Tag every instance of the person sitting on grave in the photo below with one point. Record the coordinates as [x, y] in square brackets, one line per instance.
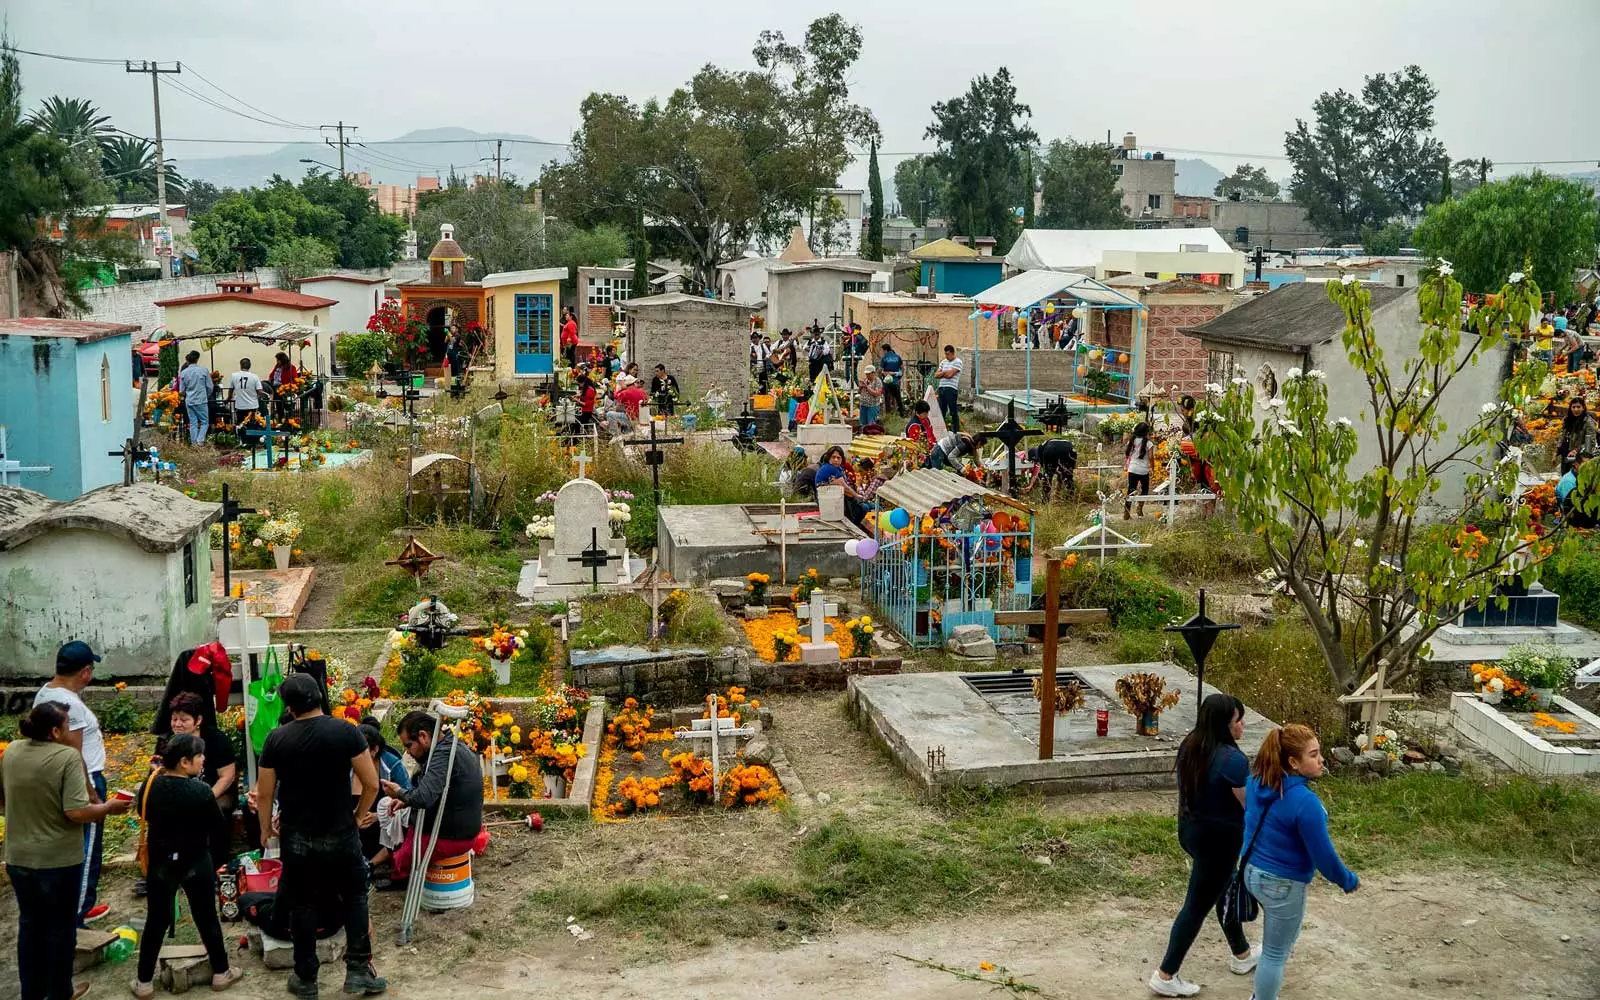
[831, 471]
[796, 475]
[1057, 460]
[951, 452]
[181, 814]
[664, 391]
[461, 809]
[626, 400]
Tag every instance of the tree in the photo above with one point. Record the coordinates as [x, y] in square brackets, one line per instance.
[1247, 183]
[329, 209]
[602, 246]
[128, 165]
[301, 257]
[1466, 175]
[921, 188]
[1366, 556]
[1382, 242]
[1490, 232]
[364, 236]
[73, 120]
[872, 243]
[981, 136]
[732, 155]
[830, 229]
[1080, 187]
[1367, 159]
[199, 196]
[1030, 182]
[641, 255]
[238, 232]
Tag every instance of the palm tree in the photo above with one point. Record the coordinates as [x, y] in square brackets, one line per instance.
[73, 120]
[129, 166]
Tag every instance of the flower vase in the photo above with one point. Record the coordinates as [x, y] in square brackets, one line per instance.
[502, 669]
[1148, 724]
[280, 555]
[1546, 696]
[555, 786]
[1489, 697]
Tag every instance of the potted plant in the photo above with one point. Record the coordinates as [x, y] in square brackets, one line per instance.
[1145, 696]
[280, 533]
[502, 645]
[756, 586]
[1542, 667]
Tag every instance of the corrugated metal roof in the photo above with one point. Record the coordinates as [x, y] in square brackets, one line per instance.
[921, 490]
[1031, 287]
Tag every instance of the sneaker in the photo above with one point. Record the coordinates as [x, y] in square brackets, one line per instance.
[223, 980]
[96, 912]
[1245, 966]
[142, 990]
[365, 981]
[300, 988]
[1174, 987]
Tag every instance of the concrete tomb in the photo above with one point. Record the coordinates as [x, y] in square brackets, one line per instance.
[705, 542]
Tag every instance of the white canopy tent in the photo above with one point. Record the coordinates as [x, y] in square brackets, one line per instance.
[1082, 249]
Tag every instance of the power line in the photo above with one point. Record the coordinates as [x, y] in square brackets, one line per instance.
[252, 107]
[373, 142]
[222, 107]
[73, 59]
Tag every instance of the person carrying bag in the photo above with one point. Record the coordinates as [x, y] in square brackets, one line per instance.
[263, 704]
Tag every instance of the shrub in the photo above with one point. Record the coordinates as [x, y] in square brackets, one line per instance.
[1279, 671]
[120, 715]
[418, 675]
[1134, 597]
[1204, 548]
[1575, 574]
[358, 352]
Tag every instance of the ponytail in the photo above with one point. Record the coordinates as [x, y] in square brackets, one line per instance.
[1272, 760]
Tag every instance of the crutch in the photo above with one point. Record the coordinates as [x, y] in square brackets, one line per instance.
[420, 860]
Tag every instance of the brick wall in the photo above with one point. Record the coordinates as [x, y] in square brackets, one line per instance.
[594, 323]
[700, 344]
[684, 680]
[1173, 358]
[1008, 369]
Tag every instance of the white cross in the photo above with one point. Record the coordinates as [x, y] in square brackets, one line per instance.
[11, 467]
[713, 729]
[582, 460]
[818, 608]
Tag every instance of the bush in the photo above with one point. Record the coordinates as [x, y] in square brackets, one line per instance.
[1279, 671]
[1575, 574]
[1134, 597]
[120, 716]
[1205, 548]
[358, 352]
[418, 675]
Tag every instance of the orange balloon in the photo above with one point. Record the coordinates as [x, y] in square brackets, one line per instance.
[1083, 370]
[1122, 359]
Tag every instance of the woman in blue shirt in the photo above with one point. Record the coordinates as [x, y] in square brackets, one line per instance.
[1292, 847]
[831, 468]
[1212, 771]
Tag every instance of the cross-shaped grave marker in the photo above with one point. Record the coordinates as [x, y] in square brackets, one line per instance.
[1375, 699]
[230, 513]
[414, 559]
[131, 454]
[1107, 538]
[1010, 433]
[655, 457]
[714, 729]
[1167, 489]
[818, 608]
[582, 460]
[11, 467]
[595, 557]
[245, 637]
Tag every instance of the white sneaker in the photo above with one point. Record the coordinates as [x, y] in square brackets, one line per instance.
[1244, 966]
[1174, 987]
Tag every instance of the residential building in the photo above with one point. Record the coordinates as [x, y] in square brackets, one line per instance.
[66, 400]
[127, 569]
[901, 234]
[396, 199]
[1199, 254]
[949, 266]
[704, 342]
[1146, 181]
[1272, 224]
[241, 301]
[846, 237]
[799, 295]
[523, 307]
[1190, 210]
[1168, 357]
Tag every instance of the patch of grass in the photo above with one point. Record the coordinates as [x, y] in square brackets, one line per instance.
[1279, 671]
[1204, 548]
[621, 619]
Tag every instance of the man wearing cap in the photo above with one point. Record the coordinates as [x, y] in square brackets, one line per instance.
[74, 670]
[306, 766]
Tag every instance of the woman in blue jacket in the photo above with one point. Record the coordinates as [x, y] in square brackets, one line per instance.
[1292, 847]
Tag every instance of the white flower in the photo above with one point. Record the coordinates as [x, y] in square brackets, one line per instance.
[1344, 422]
[1318, 374]
[1488, 408]
[1444, 267]
[1295, 373]
[1276, 402]
[1361, 741]
[1289, 428]
[1497, 685]
[1516, 278]
[1361, 543]
[1240, 380]
[1348, 279]
[1206, 415]
[1212, 387]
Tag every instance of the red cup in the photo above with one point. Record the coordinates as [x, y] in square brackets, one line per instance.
[123, 794]
[1102, 721]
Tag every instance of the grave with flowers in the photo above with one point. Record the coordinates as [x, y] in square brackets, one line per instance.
[1517, 712]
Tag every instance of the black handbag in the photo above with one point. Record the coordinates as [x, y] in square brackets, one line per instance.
[1237, 901]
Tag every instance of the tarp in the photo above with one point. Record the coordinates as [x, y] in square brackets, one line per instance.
[1066, 249]
[1030, 287]
[921, 490]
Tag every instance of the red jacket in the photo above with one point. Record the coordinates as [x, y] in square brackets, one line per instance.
[630, 398]
[569, 333]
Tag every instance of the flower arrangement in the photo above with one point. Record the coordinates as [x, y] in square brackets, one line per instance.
[462, 669]
[1541, 666]
[631, 726]
[477, 729]
[541, 526]
[1069, 696]
[1145, 696]
[750, 784]
[1494, 685]
[809, 583]
[1541, 500]
[756, 586]
[619, 513]
[281, 530]
[521, 782]
[639, 794]
[556, 756]
[694, 774]
[785, 642]
[860, 630]
[562, 710]
[501, 643]
[354, 704]
[1387, 741]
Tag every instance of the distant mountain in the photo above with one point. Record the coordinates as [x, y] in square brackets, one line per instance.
[1197, 177]
[425, 153]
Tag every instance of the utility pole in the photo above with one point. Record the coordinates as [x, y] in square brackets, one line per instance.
[497, 143]
[342, 143]
[155, 71]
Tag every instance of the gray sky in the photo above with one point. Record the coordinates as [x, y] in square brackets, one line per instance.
[1212, 80]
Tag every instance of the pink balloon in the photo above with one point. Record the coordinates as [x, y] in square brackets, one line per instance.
[866, 548]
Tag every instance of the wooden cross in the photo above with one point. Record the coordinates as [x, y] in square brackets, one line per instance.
[1010, 433]
[11, 467]
[1375, 700]
[230, 513]
[595, 557]
[131, 454]
[655, 457]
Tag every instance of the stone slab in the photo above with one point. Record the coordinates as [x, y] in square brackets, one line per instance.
[698, 543]
[819, 652]
[818, 438]
[279, 594]
[993, 740]
[1459, 644]
[617, 655]
[534, 587]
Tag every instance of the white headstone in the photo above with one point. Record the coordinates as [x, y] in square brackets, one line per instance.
[816, 611]
[582, 517]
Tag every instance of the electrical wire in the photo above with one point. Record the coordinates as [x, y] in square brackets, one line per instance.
[233, 111]
[72, 59]
[204, 79]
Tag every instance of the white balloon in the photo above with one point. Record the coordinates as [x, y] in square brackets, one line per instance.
[850, 546]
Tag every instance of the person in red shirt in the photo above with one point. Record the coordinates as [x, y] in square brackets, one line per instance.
[587, 397]
[631, 396]
[569, 337]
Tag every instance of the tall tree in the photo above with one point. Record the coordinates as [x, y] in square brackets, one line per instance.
[128, 165]
[301, 257]
[1367, 159]
[1247, 183]
[200, 195]
[1492, 231]
[1080, 187]
[981, 136]
[1465, 175]
[733, 155]
[641, 254]
[830, 229]
[1030, 181]
[493, 224]
[872, 248]
[921, 188]
[73, 120]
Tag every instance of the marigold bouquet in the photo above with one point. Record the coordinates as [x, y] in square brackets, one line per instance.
[809, 583]
[860, 630]
[750, 784]
[784, 642]
[694, 773]
[281, 530]
[756, 585]
[501, 643]
[631, 726]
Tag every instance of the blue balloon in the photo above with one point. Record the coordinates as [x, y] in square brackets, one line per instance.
[899, 518]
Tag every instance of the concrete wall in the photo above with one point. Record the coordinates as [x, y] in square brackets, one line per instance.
[125, 602]
[1008, 369]
[135, 302]
[951, 319]
[1168, 265]
[796, 298]
[1271, 224]
[702, 343]
[52, 408]
[1141, 178]
[357, 302]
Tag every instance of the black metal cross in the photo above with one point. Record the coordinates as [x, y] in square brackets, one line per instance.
[130, 453]
[744, 437]
[230, 513]
[655, 457]
[595, 557]
[1056, 415]
[1199, 634]
[1010, 433]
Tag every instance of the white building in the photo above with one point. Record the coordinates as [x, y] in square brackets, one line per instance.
[357, 297]
[1163, 254]
[813, 291]
[846, 236]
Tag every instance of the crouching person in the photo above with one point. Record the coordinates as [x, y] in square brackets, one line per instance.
[461, 823]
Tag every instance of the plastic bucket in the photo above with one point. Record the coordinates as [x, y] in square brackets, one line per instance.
[448, 883]
[268, 871]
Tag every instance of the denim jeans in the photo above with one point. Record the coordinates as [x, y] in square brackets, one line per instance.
[869, 414]
[199, 421]
[949, 406]
[93, 848]
[1283, 906]
[47, 929]
[1215, 852]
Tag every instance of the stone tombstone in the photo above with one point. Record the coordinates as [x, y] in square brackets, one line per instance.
[581, 517]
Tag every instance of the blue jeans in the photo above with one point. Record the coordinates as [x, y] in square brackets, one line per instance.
[199, 421]
[949, 407]
[869, 414]
[1283, 906]
[47, 932]
[93, 847]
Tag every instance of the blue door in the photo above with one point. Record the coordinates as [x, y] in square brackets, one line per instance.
[535, 335]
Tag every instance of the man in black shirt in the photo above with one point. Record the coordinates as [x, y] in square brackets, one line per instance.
[306, 766]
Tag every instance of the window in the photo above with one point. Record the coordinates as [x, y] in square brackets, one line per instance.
[857, 286]
[605, 291]
[105, 389]
[1219, 367]
[1117, 168]
[1152, 201]
[533, 331]
[191, 589]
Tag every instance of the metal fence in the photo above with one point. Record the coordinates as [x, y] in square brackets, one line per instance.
[926, 584]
